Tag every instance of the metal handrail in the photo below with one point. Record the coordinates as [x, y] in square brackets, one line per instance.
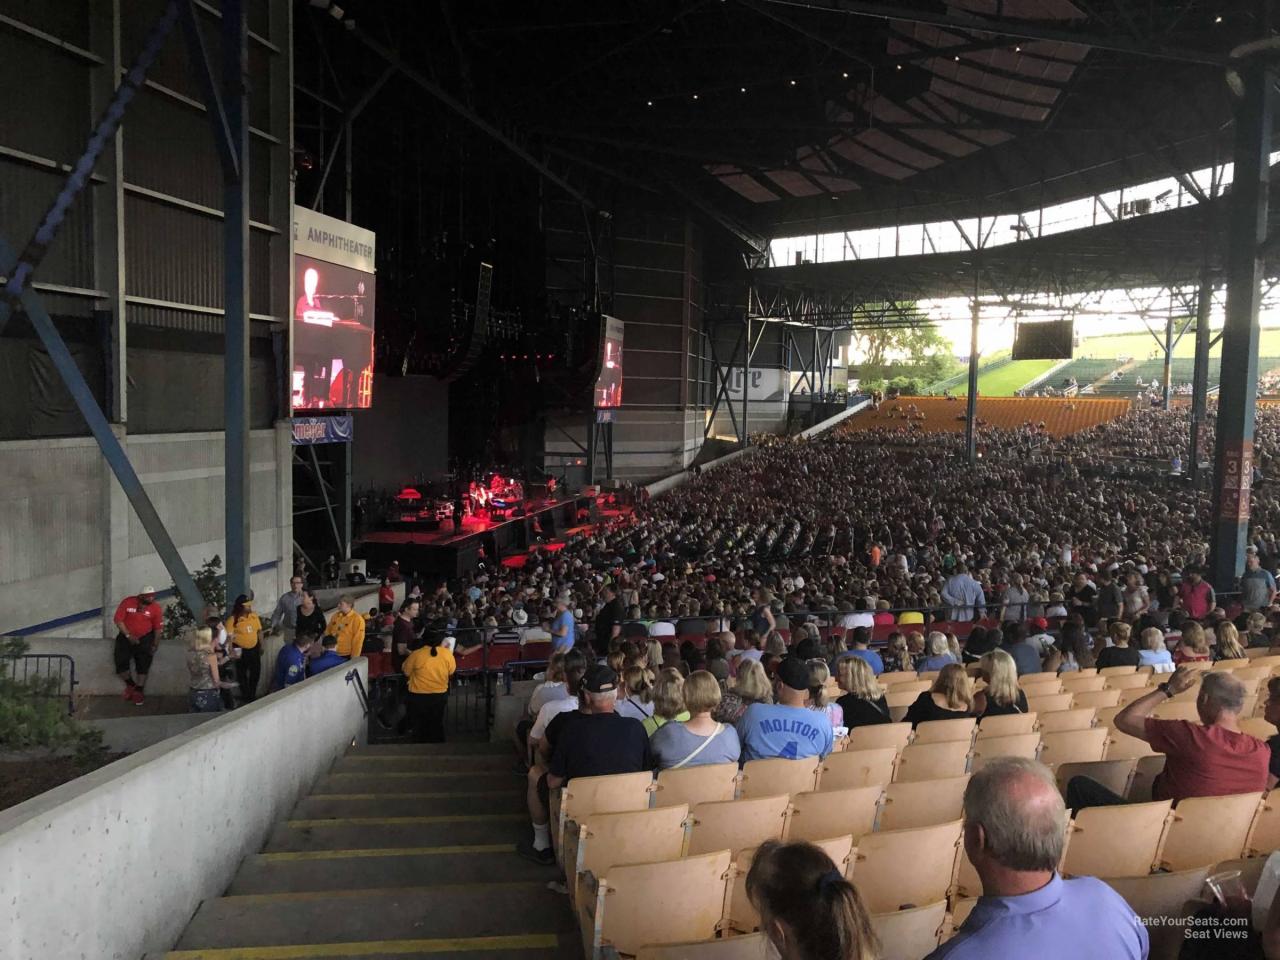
[36, 660]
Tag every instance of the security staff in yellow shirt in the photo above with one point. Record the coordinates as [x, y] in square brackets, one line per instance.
[348, 627]
[428, 669]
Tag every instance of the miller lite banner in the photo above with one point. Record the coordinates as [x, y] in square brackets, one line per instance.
[308, 430]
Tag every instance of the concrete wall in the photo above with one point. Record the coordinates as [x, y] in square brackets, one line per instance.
[71, 545]
[114, 864]
[646, 443]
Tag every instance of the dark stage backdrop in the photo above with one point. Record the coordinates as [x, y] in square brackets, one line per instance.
[405, 437]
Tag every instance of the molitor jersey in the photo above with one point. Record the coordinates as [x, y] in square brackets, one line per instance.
[774, 730]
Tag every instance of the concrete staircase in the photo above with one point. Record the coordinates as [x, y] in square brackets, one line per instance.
[400, 851]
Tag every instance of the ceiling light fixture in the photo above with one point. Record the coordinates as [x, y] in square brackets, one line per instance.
[793, 83]
[1218, 18]
[899, 66]
[742, 89]
[845, 74]
[695, 96]
[648, 103]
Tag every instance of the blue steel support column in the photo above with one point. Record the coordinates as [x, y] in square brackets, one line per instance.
[235, 80]
[1200, 375]
[1247, 228]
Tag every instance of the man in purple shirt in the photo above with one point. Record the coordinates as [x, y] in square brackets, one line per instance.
[1014, 824]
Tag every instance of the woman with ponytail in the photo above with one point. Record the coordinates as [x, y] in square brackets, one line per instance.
[808, 910]
[429, 669]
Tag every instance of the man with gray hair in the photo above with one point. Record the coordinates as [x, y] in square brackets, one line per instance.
[1212, 758]
[1014, 830]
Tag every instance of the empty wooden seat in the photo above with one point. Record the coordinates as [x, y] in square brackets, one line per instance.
[1116, 671]
[1177, 710]
[1073, 684]
[913, 685]
[1120, 841]
[893, 868]
[960, 910]
[1258, 727]
[1077, 718]
[705, 783]
[932, 761]
[1148, 768]
[899, 703]
[768, 778]
[1007, 725]
[1018, 745]
[922, 803]
[1049, 703]
[1208, 829]
[1073, 746]
[1121, 746]
[940, 731]
[910, 934]
[968, 883]
[689, 895]
[751, 946]
[737, 824]
[1097, 698]
[1127, 697]
[605, 839]
[1161, 900]
[893, 677]
[1041, 684]
[834, 813]
[616, 793]
[857, 768]
[1231, 665]
[1126, 681]
[1252, 678]
[896, 735]
[1264, 832]
[743, 916]
[1115, 775]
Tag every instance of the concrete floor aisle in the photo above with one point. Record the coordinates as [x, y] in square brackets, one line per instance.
[401, 851]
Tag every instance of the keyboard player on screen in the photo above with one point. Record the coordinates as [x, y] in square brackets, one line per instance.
[309, 308]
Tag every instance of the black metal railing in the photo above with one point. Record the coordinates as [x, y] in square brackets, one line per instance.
[43, 676]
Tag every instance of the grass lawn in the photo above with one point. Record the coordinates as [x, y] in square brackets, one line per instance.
[1008, 379]
[1141, 344]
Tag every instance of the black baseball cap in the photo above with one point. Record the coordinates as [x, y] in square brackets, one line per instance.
[794, 672]
[600, 678]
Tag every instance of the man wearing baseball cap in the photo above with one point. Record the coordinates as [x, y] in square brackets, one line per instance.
[593, 742]
[138, 621]
[787, 727]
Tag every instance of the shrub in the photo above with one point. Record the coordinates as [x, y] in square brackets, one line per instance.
[32, 711]
[212, 586]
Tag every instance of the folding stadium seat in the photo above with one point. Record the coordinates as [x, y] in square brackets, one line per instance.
[1116, 671]
[737, 824]
[689, 895]
[1006, 725]
[1253, 678]
[1074, 684]
[894, 677]
[1230, 664]
[834, 813]
[1148, 768]
[1263, 657]
[1041, 684]
[617, 793]
[706, 783]
[605, 839]
[922, 803]
[910, 934]
[1115, 775]
[1077, 718]
[898, 704]
[1119, 841]
[877, 735]
[929, 676]
[1123, 681]
[910, 686]
[1072, 746]
[1198, 665]
[961, 907]
[894, 868]
[857, 768]
[1159, 899]
[1085, 672]
[1049, 703]
[1017, 745]
[941, 731]
[768, 778]
[752, 946]
[1128, 696]
[1264, 832]
[743, 916]
[1177, 710]
[932, 761]
[968, 883]
[1208, 829]
[1258, 727]
[1097, 698]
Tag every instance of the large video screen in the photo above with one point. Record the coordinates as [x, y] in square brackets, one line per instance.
[1043, 340]
[608, 391]
[333, 315]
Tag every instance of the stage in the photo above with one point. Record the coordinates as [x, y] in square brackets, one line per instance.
[449, 552]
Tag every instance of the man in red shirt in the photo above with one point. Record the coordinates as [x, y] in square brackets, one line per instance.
[138, 620]
[1195, 597]
[1211, 759]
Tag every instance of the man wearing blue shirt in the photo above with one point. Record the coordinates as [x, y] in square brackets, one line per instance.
[787, 728]
[1014, 824]
[328, 658]
[291, 662]
[860, 647]
[563, 627]
[1257, 586]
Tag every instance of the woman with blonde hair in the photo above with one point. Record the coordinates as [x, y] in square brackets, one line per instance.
[950, 698]
[1254, 635]
[203, 683]
[1119, 654]
[752, 686]
[774, 645]
[653, 649]
[819, 700]
[1154, 652]
[1002, 694]
[668, 701]
[808, 910]
[1193, 646]
[864, 702]
[896, 656]
[635, 697]
[1228, 647]
[700, 739]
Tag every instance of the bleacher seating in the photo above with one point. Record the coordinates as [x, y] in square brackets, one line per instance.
[1085, 370]
[1060, 416]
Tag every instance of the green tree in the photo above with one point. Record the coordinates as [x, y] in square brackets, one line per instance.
[921, 350]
